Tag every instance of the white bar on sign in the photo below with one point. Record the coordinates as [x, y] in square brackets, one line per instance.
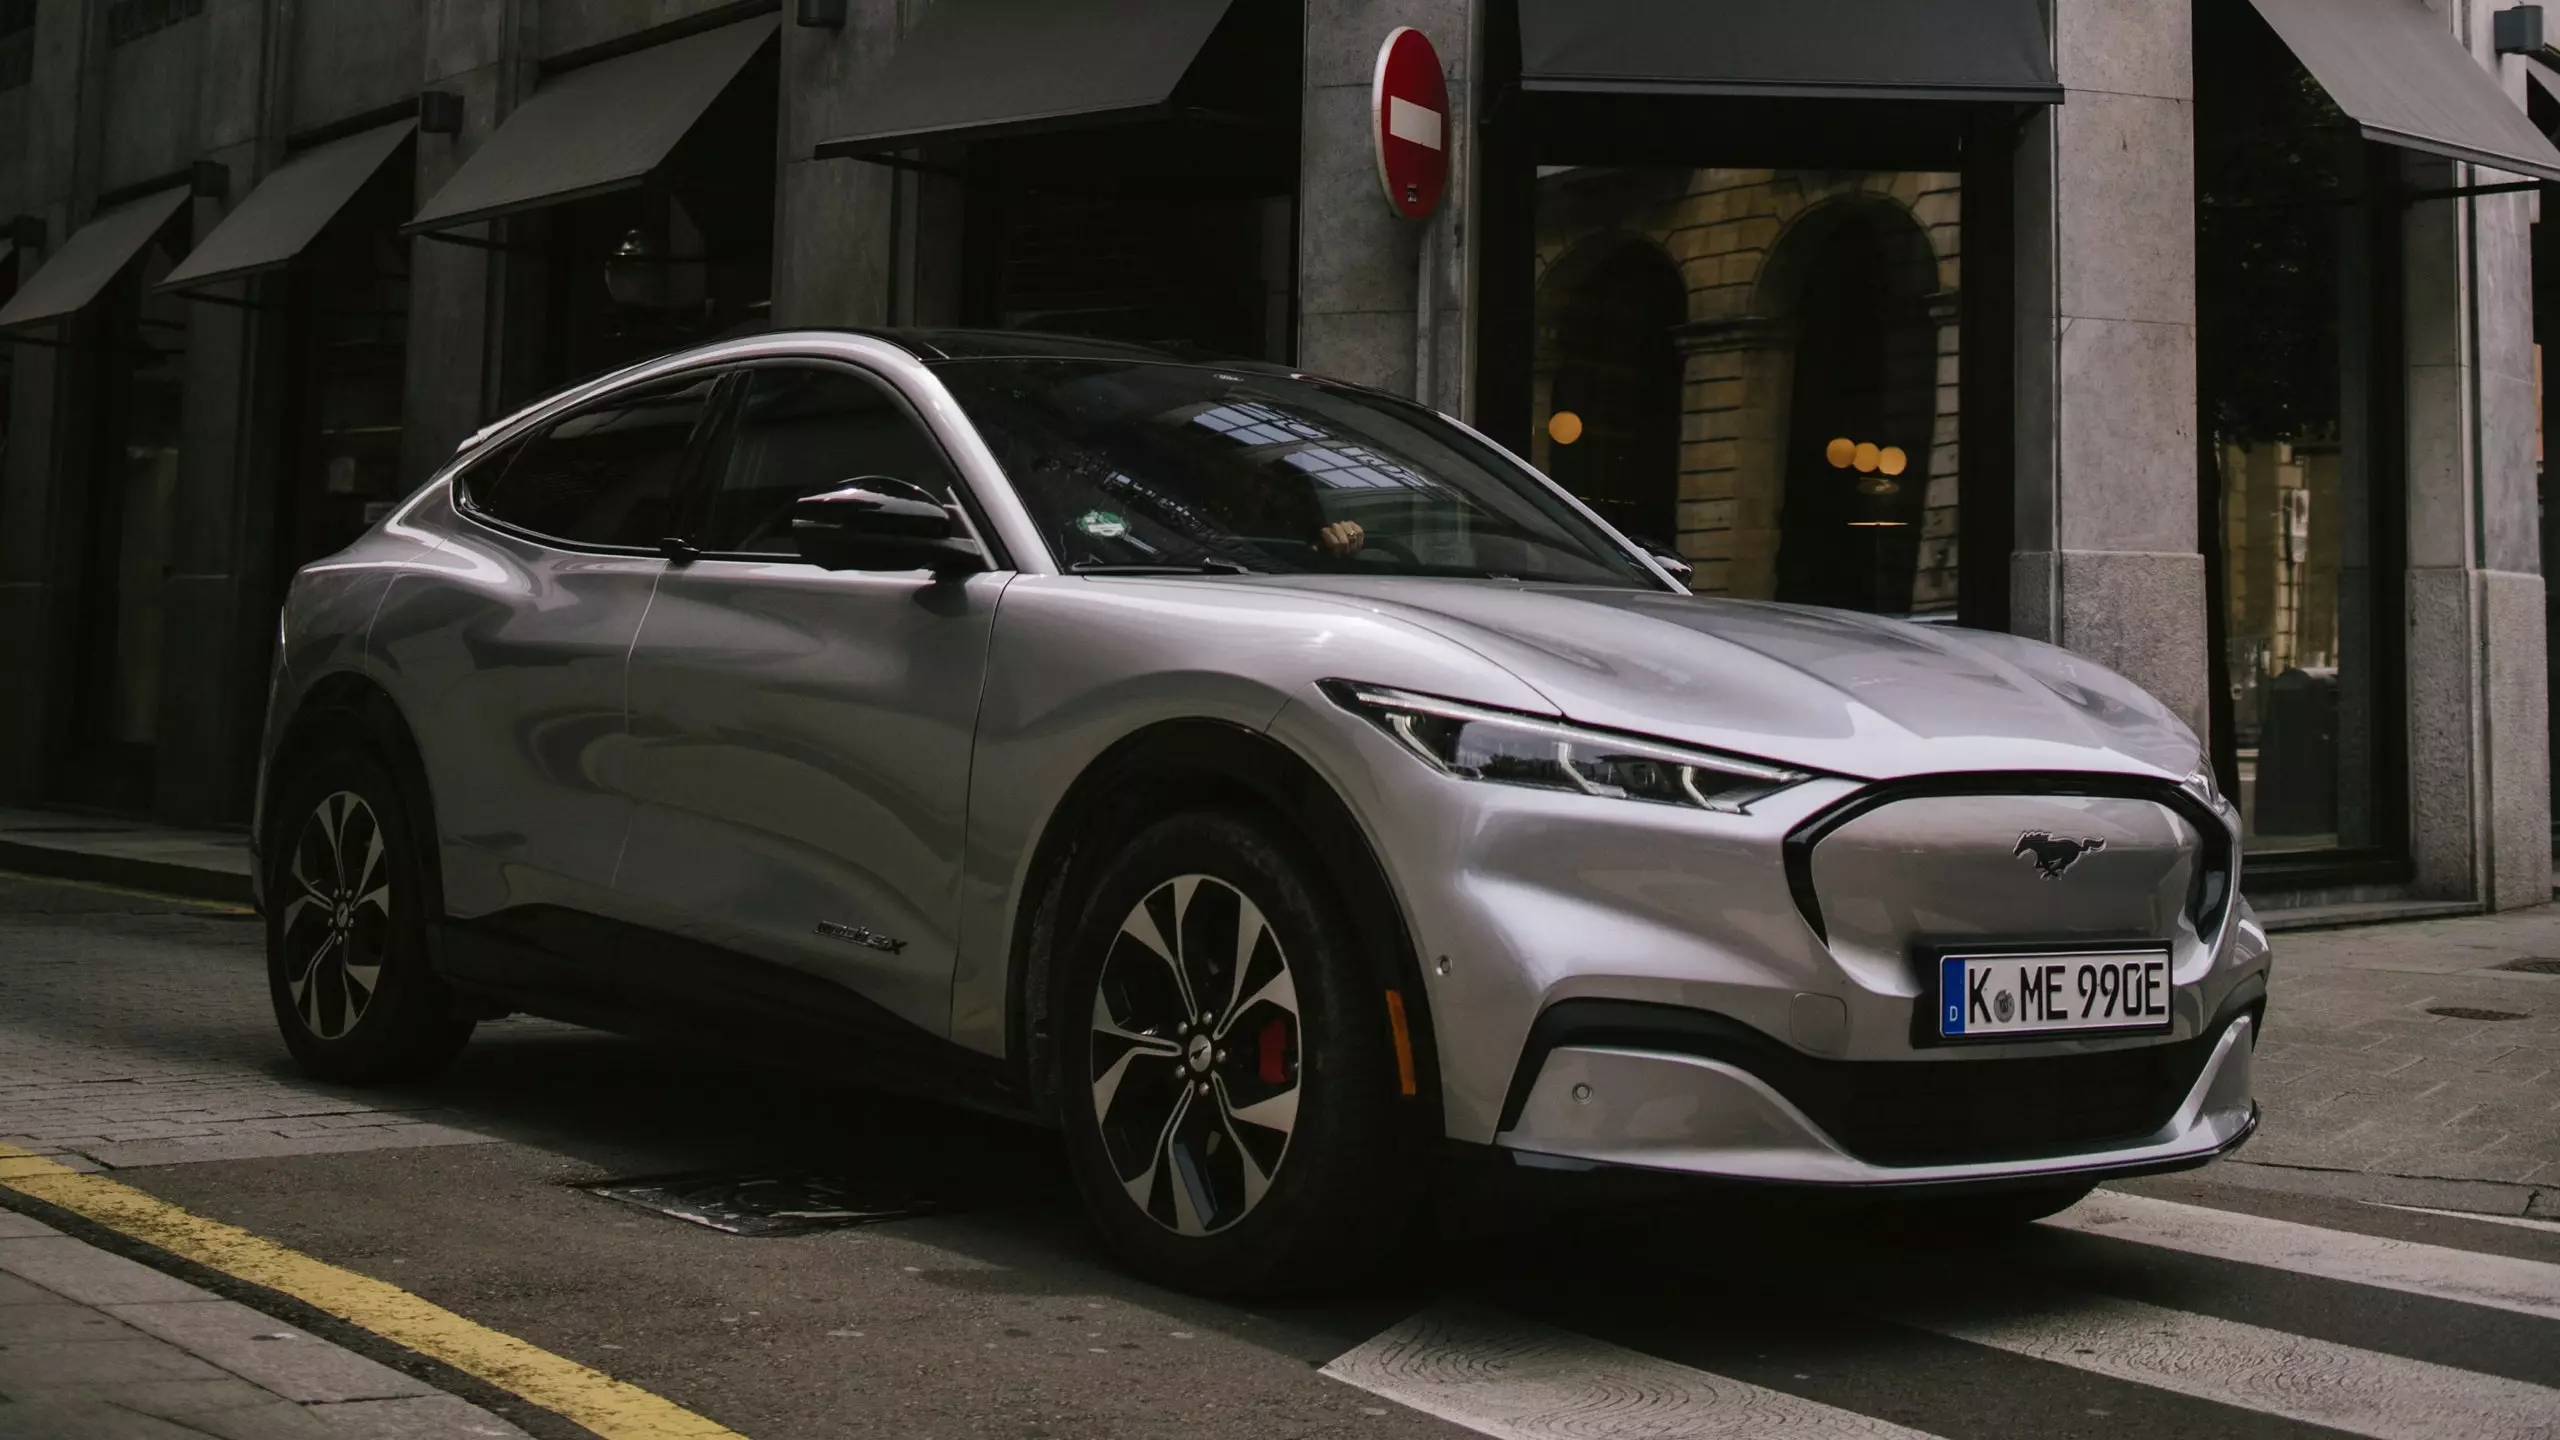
[1408, 121]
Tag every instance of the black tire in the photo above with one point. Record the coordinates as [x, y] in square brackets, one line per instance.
[1337, 1189]
[347, 958]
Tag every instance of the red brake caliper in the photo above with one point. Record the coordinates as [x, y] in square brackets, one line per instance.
[1272, 1065]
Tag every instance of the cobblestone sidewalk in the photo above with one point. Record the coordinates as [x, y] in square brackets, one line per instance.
[2407, 1053]
[136, 1031]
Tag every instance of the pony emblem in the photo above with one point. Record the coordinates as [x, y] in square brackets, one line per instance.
[2054, 854]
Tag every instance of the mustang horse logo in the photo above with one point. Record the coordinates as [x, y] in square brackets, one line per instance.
[2054, 854]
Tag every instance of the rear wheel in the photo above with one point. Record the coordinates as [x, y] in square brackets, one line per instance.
[1230, 1082]
[346, 933]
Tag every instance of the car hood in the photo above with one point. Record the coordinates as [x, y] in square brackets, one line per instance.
[1852, 694]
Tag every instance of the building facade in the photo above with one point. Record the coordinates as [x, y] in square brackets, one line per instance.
[2197, 336]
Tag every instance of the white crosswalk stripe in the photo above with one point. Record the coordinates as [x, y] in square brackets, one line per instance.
[1512, 1378]
[2362, 1392]
[2527, 1287]
[2521, 1222]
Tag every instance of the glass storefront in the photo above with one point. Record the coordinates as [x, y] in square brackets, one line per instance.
[1759, 366]
[2297, 304]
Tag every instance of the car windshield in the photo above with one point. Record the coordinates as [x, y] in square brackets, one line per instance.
[1148, 465]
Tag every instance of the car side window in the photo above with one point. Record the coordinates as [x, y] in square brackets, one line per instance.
[805, 430]
[606, 474]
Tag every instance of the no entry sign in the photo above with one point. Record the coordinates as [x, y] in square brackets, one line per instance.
[1409, 106]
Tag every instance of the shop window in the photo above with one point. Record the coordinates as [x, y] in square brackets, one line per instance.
[348, 356]
[1759, 366]
[683, 259]
[135, 362]
[2298, 390]
[1079, 232]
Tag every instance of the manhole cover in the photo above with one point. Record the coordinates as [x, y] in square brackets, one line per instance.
[2465, 1012]
[2532, 965]
[769, 1204]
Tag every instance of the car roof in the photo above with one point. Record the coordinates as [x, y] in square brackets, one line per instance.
[930, 345]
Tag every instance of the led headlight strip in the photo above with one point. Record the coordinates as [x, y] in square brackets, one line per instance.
[1474, 743]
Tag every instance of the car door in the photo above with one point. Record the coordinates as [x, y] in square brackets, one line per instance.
[511, 646]
[802, 736]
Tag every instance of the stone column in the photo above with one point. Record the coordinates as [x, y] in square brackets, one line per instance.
[2107, 562]
[1357, 259]
[832, 232]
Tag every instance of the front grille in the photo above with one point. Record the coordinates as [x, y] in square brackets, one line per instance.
[1944, 1112]
[1975, 1110]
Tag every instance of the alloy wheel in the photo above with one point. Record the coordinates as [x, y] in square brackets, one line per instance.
[336, 926]
[1195, 1058]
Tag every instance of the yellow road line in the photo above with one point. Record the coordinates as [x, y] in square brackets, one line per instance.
[224, 907]
[611, 1408]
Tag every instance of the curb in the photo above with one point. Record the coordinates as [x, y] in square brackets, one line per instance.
[192, 882]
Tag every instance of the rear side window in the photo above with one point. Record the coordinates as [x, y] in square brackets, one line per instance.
[805, 430]
[603, 475]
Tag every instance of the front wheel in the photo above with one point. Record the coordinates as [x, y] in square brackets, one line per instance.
[1230, 1084]
[346, 931]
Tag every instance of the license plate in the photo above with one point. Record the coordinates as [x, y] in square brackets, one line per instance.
[1985, 996]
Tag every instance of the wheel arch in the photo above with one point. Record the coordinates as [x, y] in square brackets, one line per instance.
[343, 708]
[1193, 763]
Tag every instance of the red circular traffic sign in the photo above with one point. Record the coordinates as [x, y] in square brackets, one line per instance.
[1409, 110]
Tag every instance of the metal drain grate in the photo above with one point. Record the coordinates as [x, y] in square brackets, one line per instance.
[769, 1204]
[2465, 1012]
[2532, 965]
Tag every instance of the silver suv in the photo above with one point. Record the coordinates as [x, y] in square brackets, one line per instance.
[1268, 782]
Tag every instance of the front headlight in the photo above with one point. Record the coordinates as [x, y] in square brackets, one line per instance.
[2202, 785]
[1474, 743]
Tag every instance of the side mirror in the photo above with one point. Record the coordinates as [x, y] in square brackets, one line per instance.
[878, 523]
[1666, 557]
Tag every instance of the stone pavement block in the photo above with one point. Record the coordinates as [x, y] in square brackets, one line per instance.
[40, 1366]
[428, 1417]
[267, 1352]
[180, 1400]
[89, 1275]
[267, 1420]
[87, 1420]
[57, 1320]
[14, 1226]
[262, 1145]
[14, 1291]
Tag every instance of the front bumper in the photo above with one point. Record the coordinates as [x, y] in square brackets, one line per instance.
[1726, 1111]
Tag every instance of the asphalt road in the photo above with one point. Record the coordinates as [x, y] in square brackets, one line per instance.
[134, 1032]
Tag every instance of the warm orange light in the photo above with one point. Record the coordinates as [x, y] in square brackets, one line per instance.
[1892, 461]
[1564, 427]
[1840, 452]
[1866, 457]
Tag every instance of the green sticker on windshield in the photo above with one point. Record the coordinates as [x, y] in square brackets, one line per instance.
[1102, 525]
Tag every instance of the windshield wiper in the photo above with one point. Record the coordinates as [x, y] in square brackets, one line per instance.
[1206, 565]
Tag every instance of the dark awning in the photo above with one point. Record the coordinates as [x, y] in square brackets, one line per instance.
[977, 67]
[91, 259]
[2401, 76]
[289, 209]
[596, 129]
[1867, 49]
